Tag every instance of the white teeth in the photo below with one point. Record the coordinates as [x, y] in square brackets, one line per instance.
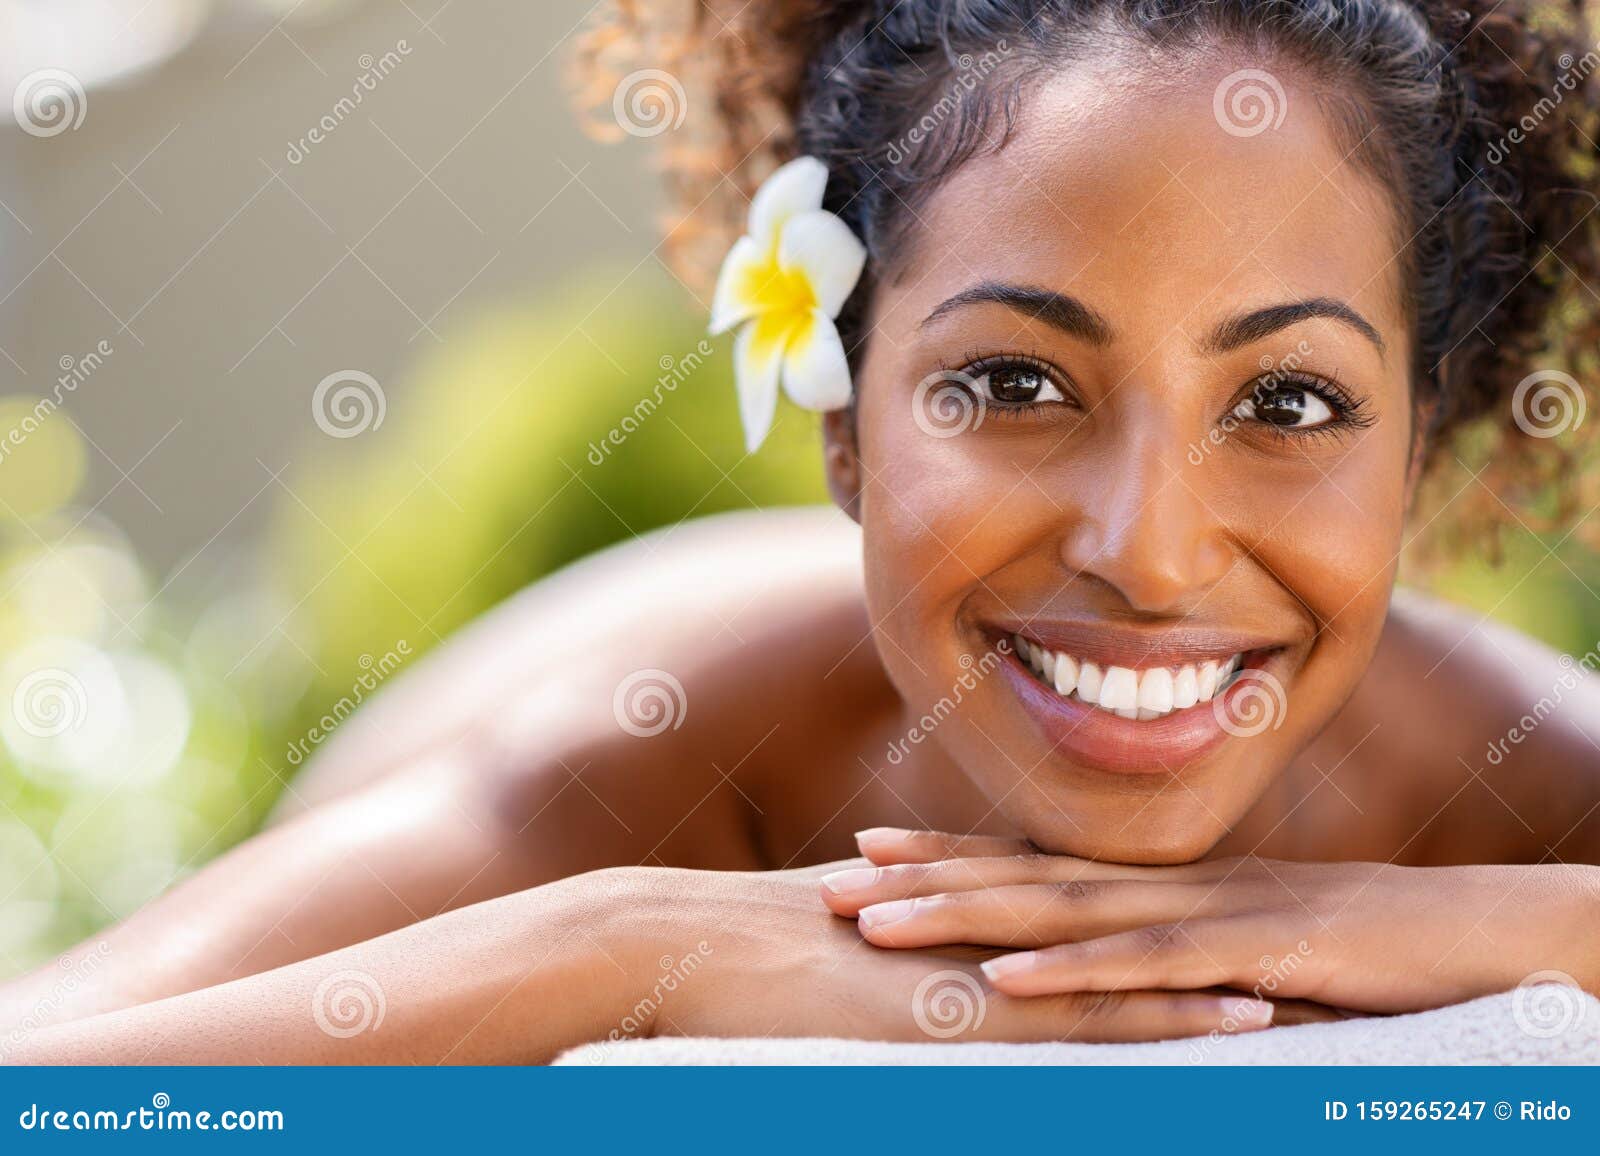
[1155, 690]
[1185, 689]
[1151, 693]
[1119, 690]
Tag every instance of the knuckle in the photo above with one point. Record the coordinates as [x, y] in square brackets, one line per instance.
[1161, 940]
[1078, 890]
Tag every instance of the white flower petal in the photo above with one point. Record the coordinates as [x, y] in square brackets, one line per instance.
[757, 359]
[816, 374]
[733, 302]
[823, 245]
[793, 188]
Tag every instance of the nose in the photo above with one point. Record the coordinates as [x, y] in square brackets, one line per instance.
[1145, 529]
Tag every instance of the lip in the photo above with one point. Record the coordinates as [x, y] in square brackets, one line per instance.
[1107, 645]
[1095, 738]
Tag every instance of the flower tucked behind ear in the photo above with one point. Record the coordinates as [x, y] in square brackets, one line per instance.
[784, 282]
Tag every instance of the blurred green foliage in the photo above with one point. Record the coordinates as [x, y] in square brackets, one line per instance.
[537, 435]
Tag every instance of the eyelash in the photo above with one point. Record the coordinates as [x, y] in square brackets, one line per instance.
[977, 364]
[1351, 412]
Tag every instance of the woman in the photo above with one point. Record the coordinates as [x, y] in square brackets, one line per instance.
[1109, 680]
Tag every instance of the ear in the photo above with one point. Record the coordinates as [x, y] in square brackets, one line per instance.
[841, 460]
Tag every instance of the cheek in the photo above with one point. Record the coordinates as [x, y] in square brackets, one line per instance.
[1332, 534]
[938, 513]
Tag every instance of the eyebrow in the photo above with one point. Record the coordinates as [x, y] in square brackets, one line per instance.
[1071, 316]
[1253, 326]
[1058, 310]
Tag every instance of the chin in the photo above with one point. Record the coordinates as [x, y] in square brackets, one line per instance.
[1159, 840]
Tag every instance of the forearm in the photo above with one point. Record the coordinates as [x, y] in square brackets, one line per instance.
[403, 850]
[510, 980]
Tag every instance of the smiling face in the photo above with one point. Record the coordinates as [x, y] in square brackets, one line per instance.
[1136, 393]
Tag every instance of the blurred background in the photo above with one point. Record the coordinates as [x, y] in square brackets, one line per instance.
[323, 328]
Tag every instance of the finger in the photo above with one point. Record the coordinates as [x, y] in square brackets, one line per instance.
[847, 892]
[1193, 953]
[1035, 914]
[887, 845]
[1127, 1016]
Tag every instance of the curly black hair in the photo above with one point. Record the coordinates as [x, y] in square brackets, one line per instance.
[1480, 118]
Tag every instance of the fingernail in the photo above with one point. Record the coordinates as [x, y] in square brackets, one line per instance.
[883, 914]
[880, 835]
[1002, 966]
[855, 879]
[1247, 1013]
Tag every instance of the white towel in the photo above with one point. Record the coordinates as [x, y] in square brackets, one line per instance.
[1546, 1024]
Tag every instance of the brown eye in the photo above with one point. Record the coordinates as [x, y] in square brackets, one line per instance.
[1016, 385]
[1287, 407]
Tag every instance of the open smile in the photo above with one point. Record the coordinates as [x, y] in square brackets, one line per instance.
[1129, 704]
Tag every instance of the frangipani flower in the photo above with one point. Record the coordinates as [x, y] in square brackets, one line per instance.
[784, 282]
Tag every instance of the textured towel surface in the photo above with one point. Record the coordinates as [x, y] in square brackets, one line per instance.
[1541, 1025]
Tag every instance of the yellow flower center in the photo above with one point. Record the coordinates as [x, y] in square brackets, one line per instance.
[774, 289]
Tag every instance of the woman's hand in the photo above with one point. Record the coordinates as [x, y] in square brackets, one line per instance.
[1366, 936]
[709, 953]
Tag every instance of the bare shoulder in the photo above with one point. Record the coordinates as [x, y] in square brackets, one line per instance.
[1491, 737]
[634, 695]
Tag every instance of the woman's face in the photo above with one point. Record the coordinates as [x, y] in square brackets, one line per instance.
[1181, 443]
